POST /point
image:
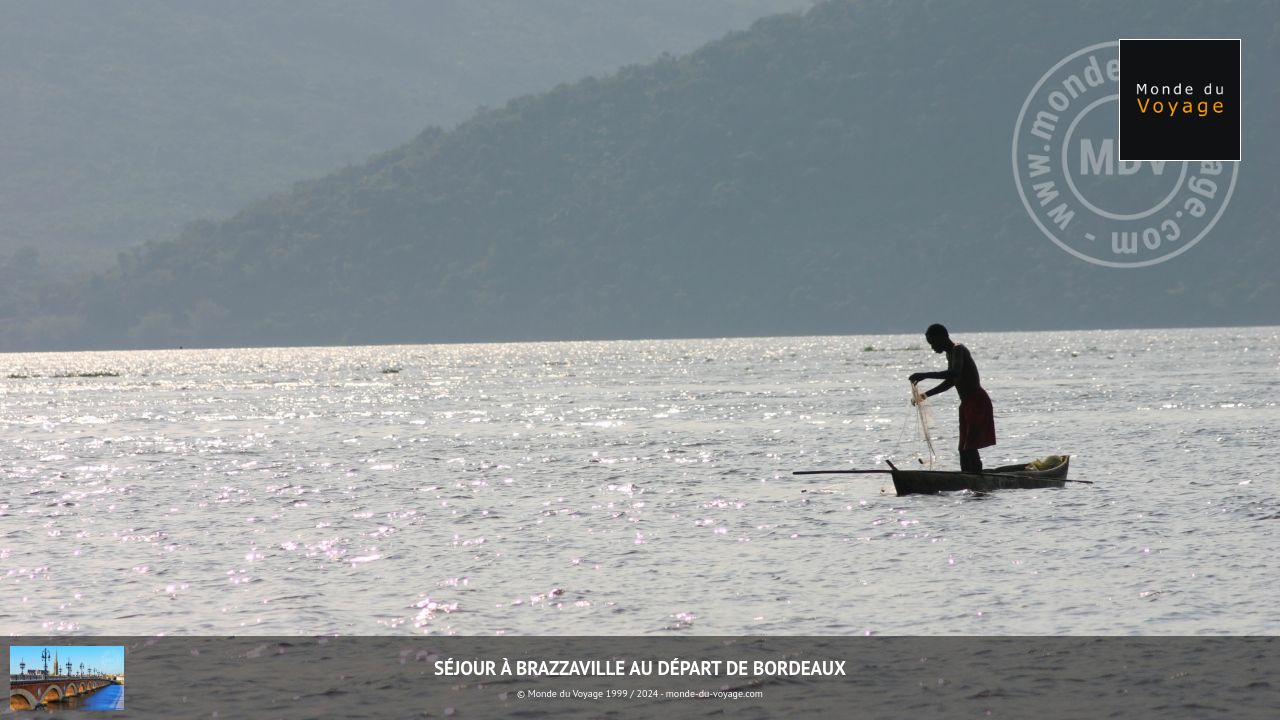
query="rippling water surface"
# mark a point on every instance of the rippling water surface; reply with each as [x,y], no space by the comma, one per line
[637,487]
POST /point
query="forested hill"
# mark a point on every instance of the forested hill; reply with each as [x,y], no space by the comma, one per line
[123,121]
[846,170]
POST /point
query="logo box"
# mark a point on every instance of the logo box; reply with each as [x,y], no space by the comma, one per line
[1180,99]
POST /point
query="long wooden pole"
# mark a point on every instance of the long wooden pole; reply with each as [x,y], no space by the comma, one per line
[840,472]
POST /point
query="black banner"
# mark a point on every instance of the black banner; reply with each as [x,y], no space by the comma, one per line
[639,677]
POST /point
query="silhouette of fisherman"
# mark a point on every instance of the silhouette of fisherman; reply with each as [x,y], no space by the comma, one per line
[977,421]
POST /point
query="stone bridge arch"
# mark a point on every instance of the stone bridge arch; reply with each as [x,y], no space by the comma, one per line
[20,699]
[52,694]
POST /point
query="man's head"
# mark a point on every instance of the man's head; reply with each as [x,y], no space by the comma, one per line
[938,338]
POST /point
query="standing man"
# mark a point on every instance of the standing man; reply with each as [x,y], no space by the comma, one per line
[977,421]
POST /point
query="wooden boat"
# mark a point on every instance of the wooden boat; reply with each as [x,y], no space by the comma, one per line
[1008,477]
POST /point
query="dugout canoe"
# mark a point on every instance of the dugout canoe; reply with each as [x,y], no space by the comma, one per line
[1008,477]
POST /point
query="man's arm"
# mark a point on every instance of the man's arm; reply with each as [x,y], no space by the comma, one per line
[955,362]
[917,377]
[941,388]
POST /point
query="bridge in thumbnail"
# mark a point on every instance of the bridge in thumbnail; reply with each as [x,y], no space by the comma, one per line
[33,684]
[27,692]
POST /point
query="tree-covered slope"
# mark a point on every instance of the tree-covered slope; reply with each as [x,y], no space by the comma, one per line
[842,171]
[123,121]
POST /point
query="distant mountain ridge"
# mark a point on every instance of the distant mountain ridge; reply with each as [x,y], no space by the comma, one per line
[845,170]
[123,121]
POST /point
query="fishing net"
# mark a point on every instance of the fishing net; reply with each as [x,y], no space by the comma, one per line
[924,420]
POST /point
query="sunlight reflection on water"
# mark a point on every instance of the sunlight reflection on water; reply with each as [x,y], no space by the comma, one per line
[635,487]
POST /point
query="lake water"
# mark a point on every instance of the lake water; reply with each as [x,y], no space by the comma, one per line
[637,488]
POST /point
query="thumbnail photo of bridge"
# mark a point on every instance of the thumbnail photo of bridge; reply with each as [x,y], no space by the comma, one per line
[66,677]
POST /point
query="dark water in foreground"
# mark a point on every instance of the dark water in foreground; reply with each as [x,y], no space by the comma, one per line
[110,697]
[636,488]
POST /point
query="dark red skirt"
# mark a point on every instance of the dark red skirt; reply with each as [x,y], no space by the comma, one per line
[977,421]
